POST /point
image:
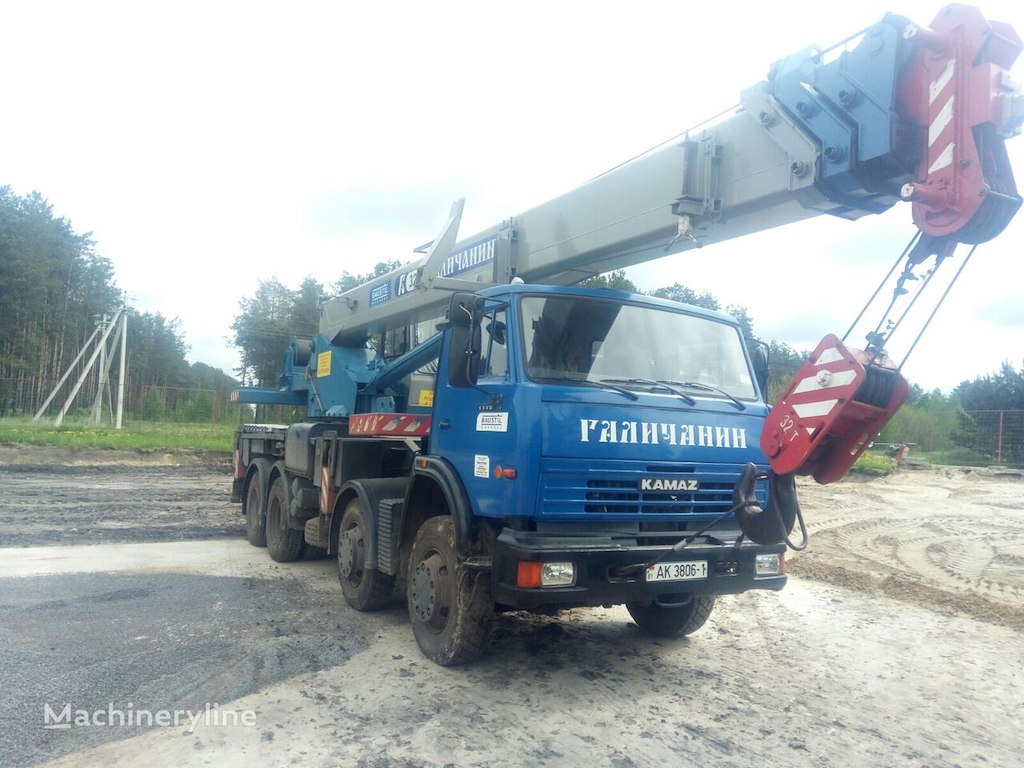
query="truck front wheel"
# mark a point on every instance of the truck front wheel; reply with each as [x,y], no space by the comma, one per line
[365,589]
[450,606]
[672,620]
[283,544]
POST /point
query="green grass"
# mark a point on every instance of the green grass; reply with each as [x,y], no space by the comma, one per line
[144,435]
[875,464]
[965,457]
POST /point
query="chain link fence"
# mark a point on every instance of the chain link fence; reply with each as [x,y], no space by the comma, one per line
[24,397]
[997,437]
[956,437]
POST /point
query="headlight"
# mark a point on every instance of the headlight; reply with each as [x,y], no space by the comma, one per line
[768,565]
[557,575]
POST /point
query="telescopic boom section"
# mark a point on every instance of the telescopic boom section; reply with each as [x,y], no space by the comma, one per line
[957,93]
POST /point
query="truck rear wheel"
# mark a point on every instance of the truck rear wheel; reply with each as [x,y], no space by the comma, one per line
[672,620]
[255,508]
[365,589]
[450,606]
[283,544]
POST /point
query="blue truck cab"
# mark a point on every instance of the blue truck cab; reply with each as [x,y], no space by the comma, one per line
[590,431]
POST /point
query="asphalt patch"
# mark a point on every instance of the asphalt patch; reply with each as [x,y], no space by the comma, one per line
[161,642]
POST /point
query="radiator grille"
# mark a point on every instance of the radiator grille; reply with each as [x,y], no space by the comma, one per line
[571,488]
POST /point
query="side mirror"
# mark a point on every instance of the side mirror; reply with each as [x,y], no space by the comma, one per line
[464,346]
[761,356]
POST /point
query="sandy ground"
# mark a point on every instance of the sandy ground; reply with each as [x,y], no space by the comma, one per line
[897,642]
[950,538]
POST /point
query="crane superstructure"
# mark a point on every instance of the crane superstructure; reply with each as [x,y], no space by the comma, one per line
[548,445]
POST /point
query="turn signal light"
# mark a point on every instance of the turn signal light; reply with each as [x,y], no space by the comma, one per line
[528,575]
[509,473]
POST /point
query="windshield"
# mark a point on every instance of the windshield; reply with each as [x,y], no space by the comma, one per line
[600,341]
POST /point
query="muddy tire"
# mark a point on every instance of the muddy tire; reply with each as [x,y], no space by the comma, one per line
[450,606]
[254,506]
[365,589]
[283,544]
[671,621]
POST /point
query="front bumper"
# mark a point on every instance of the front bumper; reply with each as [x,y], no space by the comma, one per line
[600,561]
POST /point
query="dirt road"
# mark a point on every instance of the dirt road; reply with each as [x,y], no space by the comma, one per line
[897,642]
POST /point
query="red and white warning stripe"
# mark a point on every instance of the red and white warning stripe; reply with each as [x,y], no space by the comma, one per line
[389,425]
[941,135]
[327,495]
[821,378]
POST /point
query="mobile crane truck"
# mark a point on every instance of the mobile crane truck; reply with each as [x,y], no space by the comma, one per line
[550,446]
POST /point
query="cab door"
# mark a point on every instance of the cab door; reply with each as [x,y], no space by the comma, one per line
[475,427]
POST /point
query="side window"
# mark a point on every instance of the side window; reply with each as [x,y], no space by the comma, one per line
[494,346]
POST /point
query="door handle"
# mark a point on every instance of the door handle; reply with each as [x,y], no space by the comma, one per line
[444,424]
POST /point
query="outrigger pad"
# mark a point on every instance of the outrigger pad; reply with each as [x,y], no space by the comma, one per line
[773,524]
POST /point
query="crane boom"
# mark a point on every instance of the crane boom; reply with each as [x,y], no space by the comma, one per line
[847,135]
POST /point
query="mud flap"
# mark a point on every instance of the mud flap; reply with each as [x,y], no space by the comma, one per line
[773,524]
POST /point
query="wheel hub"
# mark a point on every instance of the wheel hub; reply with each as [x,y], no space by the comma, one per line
[350,559]
[431,598]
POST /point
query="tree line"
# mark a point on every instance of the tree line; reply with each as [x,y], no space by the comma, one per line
[54,290]
[268,319]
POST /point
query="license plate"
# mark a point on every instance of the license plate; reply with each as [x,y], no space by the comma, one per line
[688,571]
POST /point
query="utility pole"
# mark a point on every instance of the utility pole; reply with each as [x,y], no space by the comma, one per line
[120,377]
[118,326]
[97,402]
[67,373]
[104,330]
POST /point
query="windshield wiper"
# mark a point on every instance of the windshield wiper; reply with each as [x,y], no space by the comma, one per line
[666,385]
[603,384]
[706,388]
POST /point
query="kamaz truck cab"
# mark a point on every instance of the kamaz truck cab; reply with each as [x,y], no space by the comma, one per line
[592,430]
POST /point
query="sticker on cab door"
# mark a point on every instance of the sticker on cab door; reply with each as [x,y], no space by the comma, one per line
[481,466]
[492,422]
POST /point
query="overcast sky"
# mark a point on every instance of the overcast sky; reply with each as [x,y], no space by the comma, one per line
[208,145]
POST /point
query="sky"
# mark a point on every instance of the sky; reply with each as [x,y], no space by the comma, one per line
[209,145]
